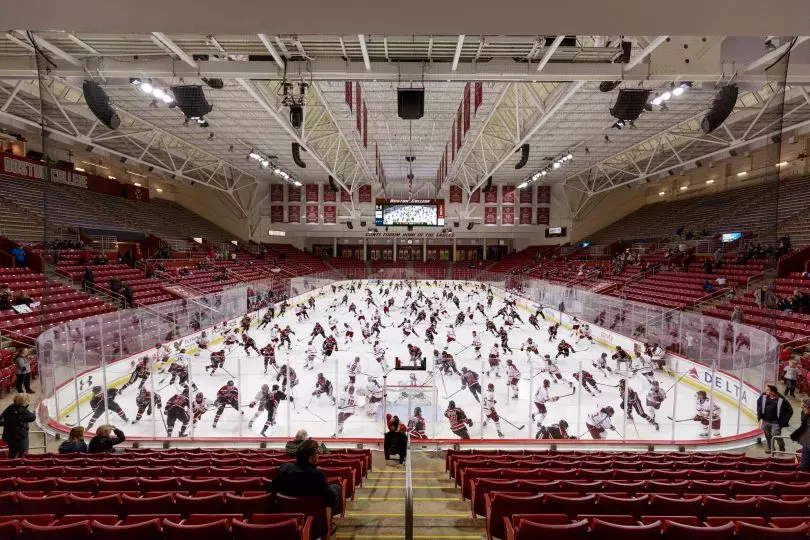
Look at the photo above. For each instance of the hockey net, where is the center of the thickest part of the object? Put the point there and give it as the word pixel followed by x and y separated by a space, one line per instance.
pixel 402 400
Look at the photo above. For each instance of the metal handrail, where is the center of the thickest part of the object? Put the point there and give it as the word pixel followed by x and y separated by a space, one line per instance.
pixel 408 494
pixel 44 446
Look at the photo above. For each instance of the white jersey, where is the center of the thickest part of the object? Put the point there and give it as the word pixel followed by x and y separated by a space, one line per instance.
pixel 637 364
pixel 379 351
pixel 373 389
pixel 348 404
pixel 656 396
pixel 260 397
pixel 407 328
pixel 451 332
pixel 601 362
pixel 494 353
pixel 181 358
pixel 312 352
pixel 476 342
pixel 489 401
pixel 512 372
pixel 332 322
pixel 703 408
pixel 529 345
pixel 541 395
pixel 353 369
pixel 657 354
pixel 273 333
pixel 200 407
pixel 599 419
pixel 552 369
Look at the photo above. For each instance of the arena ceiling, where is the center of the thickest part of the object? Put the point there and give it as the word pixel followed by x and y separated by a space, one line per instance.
pixel 537 89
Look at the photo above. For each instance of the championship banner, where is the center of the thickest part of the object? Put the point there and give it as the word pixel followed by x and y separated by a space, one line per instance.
pixel 543 194
pixel 508 195
pixel 312 192
pixel 507 215
pixel 293 194
pixel 329 194
pixel 455 194
pixel 543 216
pixel 490 215
pixel 479 95
pixel 312 214
pixel 276 214
pixel 525 215
pixel 364 193
pixel 365 126
pixel 453 140
pixel 294 213
pixel 475 196
pixel 525 196
pixel 359 109
pixel 467 108
pixel 347 91
pixel 330 214
pixel 277 192
pixel 135 193
pixel 491 196
pixel 345 196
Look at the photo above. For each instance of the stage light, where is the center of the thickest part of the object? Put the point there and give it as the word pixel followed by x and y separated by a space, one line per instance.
pixel 265 163
pixel 111 177
pixel 656 101
pixel 137 184
pixel 781 163
pixel 146 88
pixel 678 90
pixel 167 99
pixel 543 173
pixel 254 155
pixel 79 169
pixel 569 157
pixel 523 185
pixel 158 93
pixel 276 171
pixel 556 165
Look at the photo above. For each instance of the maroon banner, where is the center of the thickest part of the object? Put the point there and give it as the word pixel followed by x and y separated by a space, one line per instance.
pixel 329 194
pixel 479 95
pixel 491 215
pixel 312 214
pixel 364 193
pixel 525 215
pixel 467 108
pixel 293 194
pixel 276 214
pixel 345 196
pixel 359 102
pixel 312 192
pixel 491 196
pixel 455 194
pixel 543 216
pixel 507 215
pixel 475 196
pixel 453 140
pixel 294 213
pixel 136 193
pixel 365 126
pixel 543 194
pixel 347 90
pixel 276 192
pixel 525 196
pixel 458 127
pixel 330 214
pixel 508 195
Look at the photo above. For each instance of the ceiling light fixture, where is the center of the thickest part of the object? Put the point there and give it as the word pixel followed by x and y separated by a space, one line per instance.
pixel 742 173
pixel 662 192
pixel 78 169
pixel 159 190
pixel 710 181
pixel 523 185
pixel 684 188
pixel 137 184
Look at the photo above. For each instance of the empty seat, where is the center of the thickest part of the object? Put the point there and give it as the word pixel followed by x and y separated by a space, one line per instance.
pixel 209 531
pixel 211 504
pixel 285 530
pixel 605 530
pixel 777 508
pixel 748 531
pixel 143 530
pixel 667 506
pixel 74 531
pixel 161 504
pixel 713 506
pixel 678 531
pixel 529 530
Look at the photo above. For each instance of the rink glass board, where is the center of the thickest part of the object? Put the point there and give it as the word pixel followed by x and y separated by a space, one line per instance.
pixel 409 212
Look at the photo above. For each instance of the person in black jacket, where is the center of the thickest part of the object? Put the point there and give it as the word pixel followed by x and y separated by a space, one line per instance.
pixel 773 413
pixel 304 479
pixel 395 440
pixel 102 442
pixel 802 436
pixel 88 279
pixel 15 420
pixel 75 442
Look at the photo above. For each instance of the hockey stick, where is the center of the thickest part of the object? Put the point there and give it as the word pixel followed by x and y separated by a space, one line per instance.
pixel 608 385
pixel 675 383
pixel 454 393
pixel 314 414
pixel 684 420
pixel 513 425
pixel 79 421
pixel 163 418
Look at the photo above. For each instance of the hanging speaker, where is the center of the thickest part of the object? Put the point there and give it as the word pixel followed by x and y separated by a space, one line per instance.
pixel 350 225
pixel 456 224
pixel 410 103
pixel 296 155
pixel 98 102
pixel 332 184
pixel 488 185
pixel 33 154
pixel 630 104
pixel 721 108
pixel 524 156
pixel 627 47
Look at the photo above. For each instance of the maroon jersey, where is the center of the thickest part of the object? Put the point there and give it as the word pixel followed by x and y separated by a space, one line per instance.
pixel 228 393
pixel 177 402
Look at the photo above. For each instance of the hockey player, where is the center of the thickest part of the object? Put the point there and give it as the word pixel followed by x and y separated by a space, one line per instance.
pixel 448 363
pixel 288 377
pixel 348 334
pixel 274 334
pixel 202 343
pixel 480 307
pixel 284 336
pixel 346 408
pixel 633 403
pixel 489 409
pixel 655 354
pixel 491 328
pixel 353 369
pixel 228 395
pixel 707 413
pixel 415 354
pixel 552 331
pixel 564 349
pixel 554 370
pixel 575 326
pixel 504 340
pixel 141 372
pixel 102 401
pixel 588 383
pixel 494 361
pixel 469 379
pixel 317 330
pixel 639 364
pixel 267 318
pixel 274 398
pixel 601 365
pixel 374 396
pixel 512 377
pixel 620 356
pixel 249 343
pixel 323 386
pixel 530 347
pixel 145 401
pixel 269 354
pixel 655 397
pixel 584 333
pixel 417 427
pixel 312 353
pixel 460 318
pixel 407 330
pixel 451 334
pixel 217 360
pixel 533 321
pixel 458 420
pixel 260 398
pixel 599 421
pixel 554 431
pixel 430 334
pixel 541 397
pixel 199 406
pixel 177 409
pixel 379 355
pixel 476 345
pixel 244 324
pixel 179 370
pixel 365 331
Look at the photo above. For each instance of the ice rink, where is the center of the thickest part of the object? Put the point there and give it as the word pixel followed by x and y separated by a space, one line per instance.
pixel 319 415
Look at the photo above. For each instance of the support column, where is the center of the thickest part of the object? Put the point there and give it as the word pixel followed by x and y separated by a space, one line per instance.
pixel 395 250
pixel 454 249
pixel 365 249
pixel 334 247
pixel 485 248
pixel 424 249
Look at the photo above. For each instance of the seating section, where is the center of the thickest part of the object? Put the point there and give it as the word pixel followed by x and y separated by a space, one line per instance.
pixel 387 270
pixel 471 270
pixel 526 494
pixel 431 269
pixel 351 268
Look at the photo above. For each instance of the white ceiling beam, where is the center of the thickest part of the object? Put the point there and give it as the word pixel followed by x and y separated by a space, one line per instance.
pixel 644 53
pixel 549 52
pixel 272 50
pixel 19 42
pixel 53 49
pixel 83 45
pixel 457 54
pixel 172 46
pixel 364 50
pixel 11 96
pixel 774 54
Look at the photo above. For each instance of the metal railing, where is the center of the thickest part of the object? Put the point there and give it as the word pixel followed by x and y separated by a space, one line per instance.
pixel 408 494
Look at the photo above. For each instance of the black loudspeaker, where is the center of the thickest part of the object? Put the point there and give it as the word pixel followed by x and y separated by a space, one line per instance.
pixel 456 224
pixel 488 185
pixel 470 226
pixel 350 225
pixel 296 155
pixel 98 102
pixel 411 103
pixel 630 104
pixel 33 154
pixel 607 86
pixel 627 46
pixel 410 228
pixel 216 84
pixel 722 106
pixel 362 223
pixel 332 183
pixel 524 156
pixel 191 100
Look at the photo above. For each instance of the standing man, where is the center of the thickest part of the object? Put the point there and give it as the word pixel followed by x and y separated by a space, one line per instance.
pixel 773 413
pixel 23 368
pixel 802 436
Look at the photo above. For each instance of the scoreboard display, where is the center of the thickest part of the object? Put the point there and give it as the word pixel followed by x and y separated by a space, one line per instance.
pixel 409 212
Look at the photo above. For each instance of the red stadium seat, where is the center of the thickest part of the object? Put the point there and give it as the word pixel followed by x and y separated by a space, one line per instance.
pixel 694 521
pixel 134 519
pixel 714 521
pixel 10 530
pixel 310 506
pixel 666 506
pixel 528 530
pixel 74 531
pixel 210 531
pixel 635 506
pixel 249 506
pixel 604 530
pixel 713 506
pixel 677 531
pixel 201 519
pixel 108 519
pixel 54 504
pixel 143 530
pixel 211 504
pixel 285 530
pixel 161 504
pixel 747 531
pixel 110 504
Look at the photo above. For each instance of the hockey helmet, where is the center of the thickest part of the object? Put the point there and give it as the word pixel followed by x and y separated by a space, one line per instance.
pixel 185 391
pixel 97 389
pixel 199 396
pixel 701 395
pixel 546 383
pixel 141 391
pixel 230 383
pixel 563 424
pixel 508 361
pixel 265 388
pixel 451 405
pixel 608 410
pixel 655 384
pixel 464 370
pixel 275 387
pixel 490 387
pixel 417 411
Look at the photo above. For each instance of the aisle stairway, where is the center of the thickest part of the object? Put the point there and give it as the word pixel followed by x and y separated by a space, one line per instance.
pixel 379 508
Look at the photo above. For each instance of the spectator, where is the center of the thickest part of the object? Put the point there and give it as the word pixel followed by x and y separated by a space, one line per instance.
pixel 773 413
pixel 19 255
pixel 708 287
pixel 87 279
pixel 737 315
pixel 785 353
pixel 23 368
pixel 719 257
pixel 689 234
pixel 721 281
pixel 5 297
pixel 759 296
pixel 707 266
pixel 791 374
pixel 668 253
pixel 115 285
pixel 102 442
pixel 300 436
pixel 395 441
pixel 304 479
pixel 75 442
pixel 23 299
pixel 15 420
pixel 802 436
pixel 126 291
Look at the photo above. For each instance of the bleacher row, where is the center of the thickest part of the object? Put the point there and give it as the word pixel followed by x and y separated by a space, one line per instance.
pixel 577 495
pixel 216 494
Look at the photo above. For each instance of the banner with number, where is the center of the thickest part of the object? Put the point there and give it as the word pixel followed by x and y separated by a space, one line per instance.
pixel 525 215
pixel 312 214
pixel 507 215
pixel 276 214
pixel 294 213
pixel 312 192
pixel 491 196
pixel 293 194
pixel 364 193
pixel 277 192
pixel 490 215
pixel 345 196
pixel 475 196
pixel 329 194
pixel 508 195
pixel 543 194
pixel 330 214
pixel 455 194
pixel 526 196
pixel 543 217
